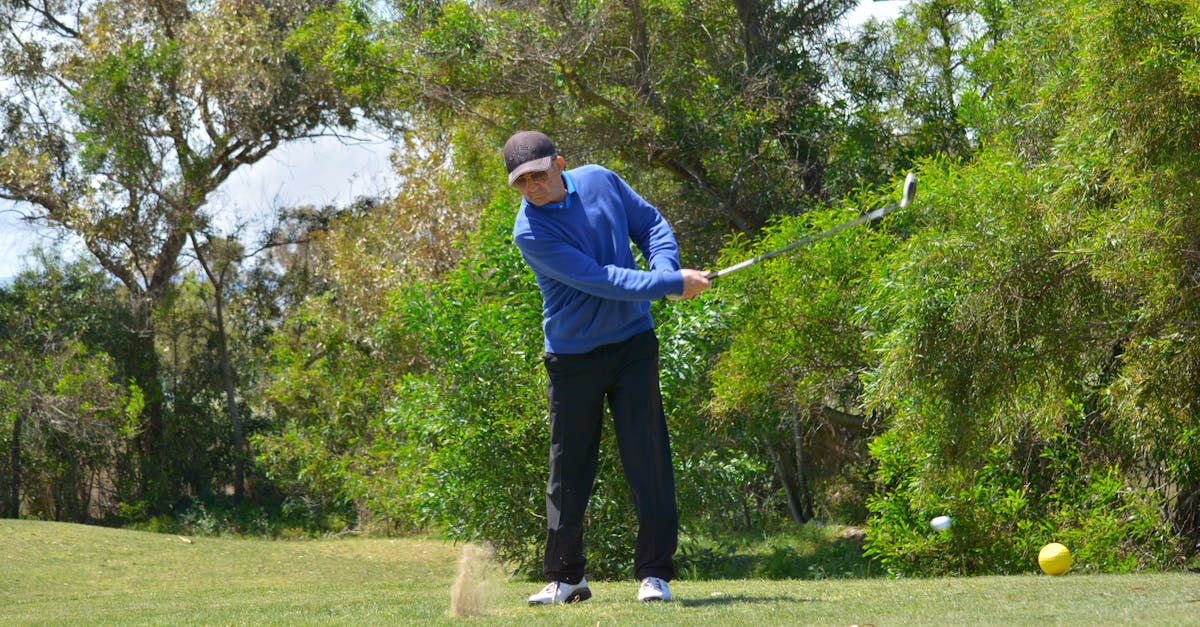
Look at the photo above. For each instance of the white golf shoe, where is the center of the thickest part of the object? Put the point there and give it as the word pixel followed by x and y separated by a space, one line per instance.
pixel 654 589
pixel 562 592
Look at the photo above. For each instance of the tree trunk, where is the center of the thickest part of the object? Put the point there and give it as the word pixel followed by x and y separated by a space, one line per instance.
pixel 146 371
pixel 785 479
pixel 790 471
pixel 13 509
pixel 235 419
pixel 1186 518
pixel 805 499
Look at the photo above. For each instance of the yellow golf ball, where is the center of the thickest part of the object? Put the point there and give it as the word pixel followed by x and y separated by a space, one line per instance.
pixel 1054 559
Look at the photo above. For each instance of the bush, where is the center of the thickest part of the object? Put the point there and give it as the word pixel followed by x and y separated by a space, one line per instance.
pixel 809 552
pixel 1002 518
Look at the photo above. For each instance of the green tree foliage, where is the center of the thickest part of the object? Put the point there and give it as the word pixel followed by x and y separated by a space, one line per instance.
pixel 330 369
pixel 218 258
pixel 324 392
pixel 67 423
pixel 196 387
pixel 335 364
pixel 1016 350
pixel 474 412
pixel 1033 330
pixel 338 358
pixel 916 87
pixel 788 379
pixel 717 104
pixel 121 117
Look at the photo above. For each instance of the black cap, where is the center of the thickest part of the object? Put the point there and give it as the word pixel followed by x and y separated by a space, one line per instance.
pixel 527 151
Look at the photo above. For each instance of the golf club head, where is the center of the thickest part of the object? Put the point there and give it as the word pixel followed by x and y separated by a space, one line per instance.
pixel 910 190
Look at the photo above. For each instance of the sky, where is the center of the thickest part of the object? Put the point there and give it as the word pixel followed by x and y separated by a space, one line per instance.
pixel 321 171
pixel 326 170
pixel 880 9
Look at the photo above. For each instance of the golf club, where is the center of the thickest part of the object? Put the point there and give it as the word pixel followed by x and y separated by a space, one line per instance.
pixel 910 190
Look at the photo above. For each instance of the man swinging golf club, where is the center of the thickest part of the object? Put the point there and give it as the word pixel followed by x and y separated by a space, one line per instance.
pixel 574 229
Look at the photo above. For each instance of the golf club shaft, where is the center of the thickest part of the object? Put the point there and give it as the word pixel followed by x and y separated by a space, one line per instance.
pixel 910 190
pixel 866 217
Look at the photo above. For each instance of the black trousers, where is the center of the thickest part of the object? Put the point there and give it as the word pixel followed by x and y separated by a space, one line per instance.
pixel 626 375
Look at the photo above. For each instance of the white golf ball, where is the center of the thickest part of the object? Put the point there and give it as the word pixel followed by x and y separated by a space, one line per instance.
pixel 941 523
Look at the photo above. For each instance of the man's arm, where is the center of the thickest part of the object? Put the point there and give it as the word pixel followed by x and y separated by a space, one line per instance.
pixel 654 237
pixel 570 266
pixel 648 229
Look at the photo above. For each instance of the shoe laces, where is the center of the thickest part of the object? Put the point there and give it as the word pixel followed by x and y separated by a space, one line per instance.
pixel 654 583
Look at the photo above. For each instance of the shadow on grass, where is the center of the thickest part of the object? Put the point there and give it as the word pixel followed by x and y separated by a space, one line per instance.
pixel 741 598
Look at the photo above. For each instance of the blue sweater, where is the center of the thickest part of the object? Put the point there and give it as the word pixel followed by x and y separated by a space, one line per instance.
pixel 593 293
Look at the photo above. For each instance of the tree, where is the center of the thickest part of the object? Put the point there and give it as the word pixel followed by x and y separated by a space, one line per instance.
pixel 917 87
pixel 66 419
pixel 788 379
pixel 218 258
pixel 122 117
pixel 336 365
pixel 1033 332
pixel 712 109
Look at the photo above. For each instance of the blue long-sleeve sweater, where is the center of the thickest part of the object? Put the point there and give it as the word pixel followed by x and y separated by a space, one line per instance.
pixel 593 293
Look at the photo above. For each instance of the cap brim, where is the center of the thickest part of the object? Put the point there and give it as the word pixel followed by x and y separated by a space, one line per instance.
pixel 535 165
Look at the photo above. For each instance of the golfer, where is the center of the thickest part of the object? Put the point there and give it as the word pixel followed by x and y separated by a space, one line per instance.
pixel 574 229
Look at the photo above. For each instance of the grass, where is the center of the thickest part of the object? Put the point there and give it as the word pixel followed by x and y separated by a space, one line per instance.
pixel 58 574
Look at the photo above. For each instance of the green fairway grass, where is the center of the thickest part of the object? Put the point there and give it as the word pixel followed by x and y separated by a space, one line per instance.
pixel 63 574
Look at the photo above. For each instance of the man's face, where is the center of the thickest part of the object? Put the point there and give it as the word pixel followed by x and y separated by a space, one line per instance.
pixel 545 187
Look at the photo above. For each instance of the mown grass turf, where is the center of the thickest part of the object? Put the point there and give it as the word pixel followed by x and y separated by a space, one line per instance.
pixel 61 574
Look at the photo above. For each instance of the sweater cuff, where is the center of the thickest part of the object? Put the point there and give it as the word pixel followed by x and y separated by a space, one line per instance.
pixel 674 282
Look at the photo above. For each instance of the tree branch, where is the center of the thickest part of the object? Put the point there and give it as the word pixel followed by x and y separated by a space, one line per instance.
pixel 850 421
pixel 45 11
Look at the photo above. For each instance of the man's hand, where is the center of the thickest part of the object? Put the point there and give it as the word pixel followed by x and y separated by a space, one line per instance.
pixel 694 282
